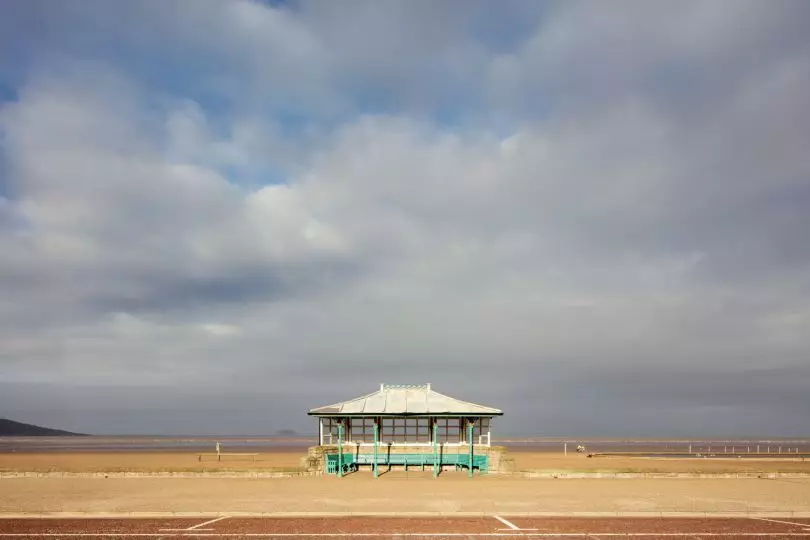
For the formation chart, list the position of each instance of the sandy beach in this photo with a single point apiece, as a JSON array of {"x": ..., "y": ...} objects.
[
  {"x": 413, "y": 491},
  {"x": 290, "y": 460},
  {"x": 400, "y": 492}
]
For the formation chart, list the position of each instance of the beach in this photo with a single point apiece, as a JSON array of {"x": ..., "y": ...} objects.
[
  {"x": 287, "y": 460},
  {"x": 85, "y": 486},
  {"x": 399, "y": 493}
]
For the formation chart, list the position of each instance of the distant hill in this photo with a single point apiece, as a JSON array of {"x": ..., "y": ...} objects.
[{"x": 10, "y": 428}]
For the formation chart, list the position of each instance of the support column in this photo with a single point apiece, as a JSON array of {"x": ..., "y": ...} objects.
[
  {"x": 340, "y": 449},
  {"x": 376, "y": 444},
  {"x": 470, "y": 440},
  {"x": 436, "y": 463}
]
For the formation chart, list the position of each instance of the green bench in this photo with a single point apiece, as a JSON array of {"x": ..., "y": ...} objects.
[
  {"x": 332, "y": 463},
  {"x": 351, "y": 462}
]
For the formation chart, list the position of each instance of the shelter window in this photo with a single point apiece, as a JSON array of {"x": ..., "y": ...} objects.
[
  {"x": 403, "y": 430},
  {"x": 362, "y": 430},
  {"x": 448, "y": 431}
]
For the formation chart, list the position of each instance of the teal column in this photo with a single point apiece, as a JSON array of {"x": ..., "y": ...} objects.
[
  {"x": 470, "y": 439},
  {"x": 340, "y": 449},
  {"x": 376, "y": 444},
  {"x": 435, "y": 453}
]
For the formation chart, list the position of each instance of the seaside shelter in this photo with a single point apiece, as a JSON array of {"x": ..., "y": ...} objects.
[{"x": 404, "y": 425}]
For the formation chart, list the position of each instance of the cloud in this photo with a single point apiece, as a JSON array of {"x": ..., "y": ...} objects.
[{"x": 284, "y": 206}]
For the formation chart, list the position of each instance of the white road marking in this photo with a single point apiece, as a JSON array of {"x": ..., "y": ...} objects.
[
  {"x": 507, "y": 523},
  {"x": 181, "y": 530},
  {"x": 207, "y": 523},
  {"x": 512, "y": 526},
  {"x": 805, "y": 526}
]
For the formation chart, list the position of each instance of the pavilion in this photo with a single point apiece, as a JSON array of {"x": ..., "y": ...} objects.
[{"x": 404, "y": 425}]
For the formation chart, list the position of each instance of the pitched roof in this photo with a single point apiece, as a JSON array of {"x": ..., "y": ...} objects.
[{"x": 403, "y": 400}]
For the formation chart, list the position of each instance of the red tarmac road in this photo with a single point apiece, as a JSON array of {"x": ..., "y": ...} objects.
[{"x": 452, "y": 528}]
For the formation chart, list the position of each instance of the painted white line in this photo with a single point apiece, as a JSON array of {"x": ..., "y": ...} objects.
[
  {"x": 183, "y": 530},
  {"x": 805, "y": 526},
  {"x": 207, "y": 523},
  {"x": 507, "y": 523},
  {"x": 512, "y": 526}
]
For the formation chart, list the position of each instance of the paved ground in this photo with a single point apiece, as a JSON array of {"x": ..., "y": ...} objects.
[{"x": 393, "y": 527}]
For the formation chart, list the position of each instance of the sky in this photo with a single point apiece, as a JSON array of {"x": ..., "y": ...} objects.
[{"x": 215, "y": 215}]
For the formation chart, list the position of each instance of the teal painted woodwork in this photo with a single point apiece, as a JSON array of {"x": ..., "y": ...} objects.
[{"x": 345, "y": 462}]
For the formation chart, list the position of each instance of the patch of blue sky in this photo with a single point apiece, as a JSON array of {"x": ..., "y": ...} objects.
[
  {"x": 7, "y": 93},
  {"x": 254, "y": 176}
]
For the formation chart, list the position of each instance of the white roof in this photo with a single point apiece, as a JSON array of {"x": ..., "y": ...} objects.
[{"x": 405, "y": 399}]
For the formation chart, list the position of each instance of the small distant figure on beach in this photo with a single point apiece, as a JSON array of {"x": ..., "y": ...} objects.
[
  {"x": 580, "y": 449},
  {"x": 217, "y": 447}
]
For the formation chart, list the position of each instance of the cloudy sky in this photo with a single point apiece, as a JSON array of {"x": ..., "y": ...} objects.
[{"x": 216, "y": 214}]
